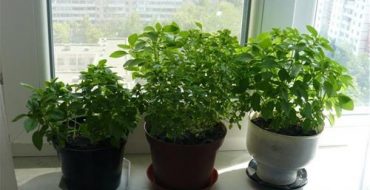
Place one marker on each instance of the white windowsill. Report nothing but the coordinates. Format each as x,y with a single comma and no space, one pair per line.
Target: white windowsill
339,167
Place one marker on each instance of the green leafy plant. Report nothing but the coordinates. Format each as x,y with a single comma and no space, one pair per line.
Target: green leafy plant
295,85
98,109
187,80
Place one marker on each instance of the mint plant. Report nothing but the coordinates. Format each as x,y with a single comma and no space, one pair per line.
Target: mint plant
98,109
187,80
295,85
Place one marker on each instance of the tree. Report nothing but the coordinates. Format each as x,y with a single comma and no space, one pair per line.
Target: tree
62,32
132,24
214,15
359,68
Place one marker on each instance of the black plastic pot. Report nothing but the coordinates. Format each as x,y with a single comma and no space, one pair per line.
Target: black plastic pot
96,168
183,167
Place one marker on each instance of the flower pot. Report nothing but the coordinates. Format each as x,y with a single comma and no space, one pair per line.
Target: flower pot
183,167
94,168
279,157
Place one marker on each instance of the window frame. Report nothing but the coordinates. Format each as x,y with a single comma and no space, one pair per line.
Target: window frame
38,65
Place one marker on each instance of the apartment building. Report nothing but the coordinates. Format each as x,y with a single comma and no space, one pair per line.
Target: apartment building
101,10
346,21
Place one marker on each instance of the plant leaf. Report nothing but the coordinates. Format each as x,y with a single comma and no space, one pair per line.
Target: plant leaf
18,117
133,62
283,75
132,39
312,30
102,62
345,102
37,139
255,102
27,86
118,54
171,28
124,46
30,124
331,119
199,25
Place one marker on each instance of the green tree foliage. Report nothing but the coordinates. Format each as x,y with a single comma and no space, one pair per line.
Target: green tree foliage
214,15
62,32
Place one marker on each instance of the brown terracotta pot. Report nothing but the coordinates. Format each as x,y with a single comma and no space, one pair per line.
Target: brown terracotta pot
183,167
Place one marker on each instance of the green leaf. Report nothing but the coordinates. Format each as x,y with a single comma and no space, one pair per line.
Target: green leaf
312,30
264,40
245,57
331,119
152,36
132,39
267,110
158,26
149,29
316,85
124,46
338,110
242,86
37,139
19,117
118,54
102,62
283,75
269,63
255,102
345,102
327,46
30,124
27,86
56,115
329,89
140,45
346,79
133,62
295,70
171,28
199,25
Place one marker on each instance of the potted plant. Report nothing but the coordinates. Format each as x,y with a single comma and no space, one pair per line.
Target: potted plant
88,124
186,93
295,88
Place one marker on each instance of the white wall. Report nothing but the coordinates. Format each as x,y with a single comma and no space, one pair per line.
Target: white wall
7,176
268,14
23,55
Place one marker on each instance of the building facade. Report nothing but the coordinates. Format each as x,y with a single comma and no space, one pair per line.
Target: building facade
102,10
345,21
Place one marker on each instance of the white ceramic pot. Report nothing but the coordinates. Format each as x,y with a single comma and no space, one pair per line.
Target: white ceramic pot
279,157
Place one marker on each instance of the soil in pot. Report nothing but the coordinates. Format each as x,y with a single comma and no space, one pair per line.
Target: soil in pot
91,167
293,130
183,166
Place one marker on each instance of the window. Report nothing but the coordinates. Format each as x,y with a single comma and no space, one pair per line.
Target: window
356,60
94,29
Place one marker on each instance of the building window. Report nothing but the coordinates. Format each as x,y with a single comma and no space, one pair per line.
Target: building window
350,50
114,20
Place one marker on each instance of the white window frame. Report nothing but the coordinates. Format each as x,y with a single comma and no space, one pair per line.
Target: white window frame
25,57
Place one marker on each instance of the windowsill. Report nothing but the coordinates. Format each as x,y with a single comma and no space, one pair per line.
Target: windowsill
339,167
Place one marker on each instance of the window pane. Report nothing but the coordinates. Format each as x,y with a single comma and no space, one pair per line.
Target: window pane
86,31
346,23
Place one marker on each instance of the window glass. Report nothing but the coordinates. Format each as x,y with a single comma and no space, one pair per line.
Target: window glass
86,31
346,23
